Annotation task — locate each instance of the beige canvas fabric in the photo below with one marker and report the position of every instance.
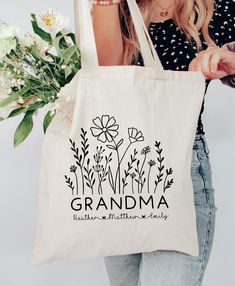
(115, 173)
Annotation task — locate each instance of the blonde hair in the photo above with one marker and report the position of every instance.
(189, 15)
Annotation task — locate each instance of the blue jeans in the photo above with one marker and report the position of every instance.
(174, 268)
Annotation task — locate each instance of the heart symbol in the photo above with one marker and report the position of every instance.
(143, 216)
(103, 217)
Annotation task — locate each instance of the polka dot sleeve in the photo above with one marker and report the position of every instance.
(223, 22)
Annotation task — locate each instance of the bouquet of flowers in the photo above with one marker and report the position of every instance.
(34, 68)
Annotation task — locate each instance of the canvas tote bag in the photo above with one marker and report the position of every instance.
(115, 173)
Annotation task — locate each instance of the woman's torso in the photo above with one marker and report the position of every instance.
(176, 52)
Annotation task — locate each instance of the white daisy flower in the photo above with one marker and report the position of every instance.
(52, 22)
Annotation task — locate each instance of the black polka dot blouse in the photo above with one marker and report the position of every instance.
(176, 53)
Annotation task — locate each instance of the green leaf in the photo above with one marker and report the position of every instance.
(57, 45)
(62, 42)
(16, 112)
(24, 128)
(47, 120)
(35, 52)
(69, 53)
(73, 37)
(36, 105)
(42, 34)
(23, 90)
(67, 72)
(13, 96)
(33, 17)
(1, 118)
(9, 99)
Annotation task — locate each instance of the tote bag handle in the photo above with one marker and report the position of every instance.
(86, 40)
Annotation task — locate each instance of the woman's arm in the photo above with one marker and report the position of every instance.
(108, 34)
(230, 79)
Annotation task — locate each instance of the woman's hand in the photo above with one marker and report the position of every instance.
(214, 62)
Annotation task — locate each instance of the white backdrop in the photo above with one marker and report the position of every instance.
(19, 170)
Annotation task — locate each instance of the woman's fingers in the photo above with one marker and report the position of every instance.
(214, 61)
(202, 64)
(202, 60)
(214, 65)
(207, 62)
(225, 60)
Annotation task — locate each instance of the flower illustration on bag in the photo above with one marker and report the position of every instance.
(151, 163)
(73, 169)
(135, 135)
(105, 128)
(138, 172)
(145, 150)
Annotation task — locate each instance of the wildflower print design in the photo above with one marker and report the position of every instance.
(88, 174)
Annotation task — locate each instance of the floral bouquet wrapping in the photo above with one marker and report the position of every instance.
(34, 68)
